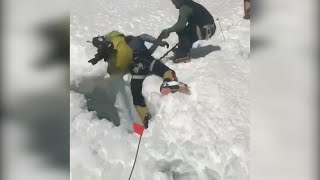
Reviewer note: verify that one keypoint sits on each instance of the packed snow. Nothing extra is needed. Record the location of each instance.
(202, 136)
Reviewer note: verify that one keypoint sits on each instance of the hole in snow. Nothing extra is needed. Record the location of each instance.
(104, 95)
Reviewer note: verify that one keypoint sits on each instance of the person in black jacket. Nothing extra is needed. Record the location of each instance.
(195, 23)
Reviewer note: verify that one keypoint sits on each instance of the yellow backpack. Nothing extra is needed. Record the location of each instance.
(120, 63)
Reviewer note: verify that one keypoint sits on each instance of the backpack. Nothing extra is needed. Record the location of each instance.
(121, 61)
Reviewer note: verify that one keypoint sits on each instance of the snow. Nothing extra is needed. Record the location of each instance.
(202, 136)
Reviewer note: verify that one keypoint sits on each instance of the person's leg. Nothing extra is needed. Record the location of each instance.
(192, 35)
(186, 39)
(158, 68)
(138, 101)
(139, 71)
(170, 81)
(184, 46)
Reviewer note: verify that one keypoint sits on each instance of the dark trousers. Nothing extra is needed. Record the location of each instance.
(187, 37)
(141, 68)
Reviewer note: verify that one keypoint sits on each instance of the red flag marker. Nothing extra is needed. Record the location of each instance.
(137, 128)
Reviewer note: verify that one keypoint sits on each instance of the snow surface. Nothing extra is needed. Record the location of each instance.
(202, 136)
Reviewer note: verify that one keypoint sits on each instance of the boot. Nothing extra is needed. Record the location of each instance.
(184, 59)
(144, 115)
(180, 57)
(146, 121)
(171, 86)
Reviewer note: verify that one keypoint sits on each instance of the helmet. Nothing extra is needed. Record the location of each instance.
(98, 41)
(104, 46)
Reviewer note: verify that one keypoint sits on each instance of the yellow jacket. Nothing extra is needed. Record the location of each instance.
(120, 63)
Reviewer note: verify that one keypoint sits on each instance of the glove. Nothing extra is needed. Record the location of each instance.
(164, 44)
(93, 61)
(165, 33)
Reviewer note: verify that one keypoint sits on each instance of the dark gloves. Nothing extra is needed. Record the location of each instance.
(93, 61)
(104, 52)
(96, 58)
(165, 33)
(164, 44)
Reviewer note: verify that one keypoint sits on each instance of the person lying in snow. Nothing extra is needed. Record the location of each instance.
(129, 54)
(195, 23)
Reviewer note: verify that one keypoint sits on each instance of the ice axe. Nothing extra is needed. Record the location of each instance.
(157, 43)
(169, 51)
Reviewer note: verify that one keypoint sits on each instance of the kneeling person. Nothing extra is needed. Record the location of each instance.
(195, 23)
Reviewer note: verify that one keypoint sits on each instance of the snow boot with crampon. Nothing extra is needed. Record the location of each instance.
(172, 86)
(180, 57)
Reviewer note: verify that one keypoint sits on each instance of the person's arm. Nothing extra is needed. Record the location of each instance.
(184, 13)
(97, 57)
(147, 38)
(151, 39)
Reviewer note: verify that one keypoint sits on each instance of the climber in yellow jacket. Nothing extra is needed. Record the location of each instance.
(129, 54)
(108, 48)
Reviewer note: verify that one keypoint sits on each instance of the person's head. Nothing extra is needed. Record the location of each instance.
(105, 47)
(98, 41)
(101, 42)
(178, 3)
